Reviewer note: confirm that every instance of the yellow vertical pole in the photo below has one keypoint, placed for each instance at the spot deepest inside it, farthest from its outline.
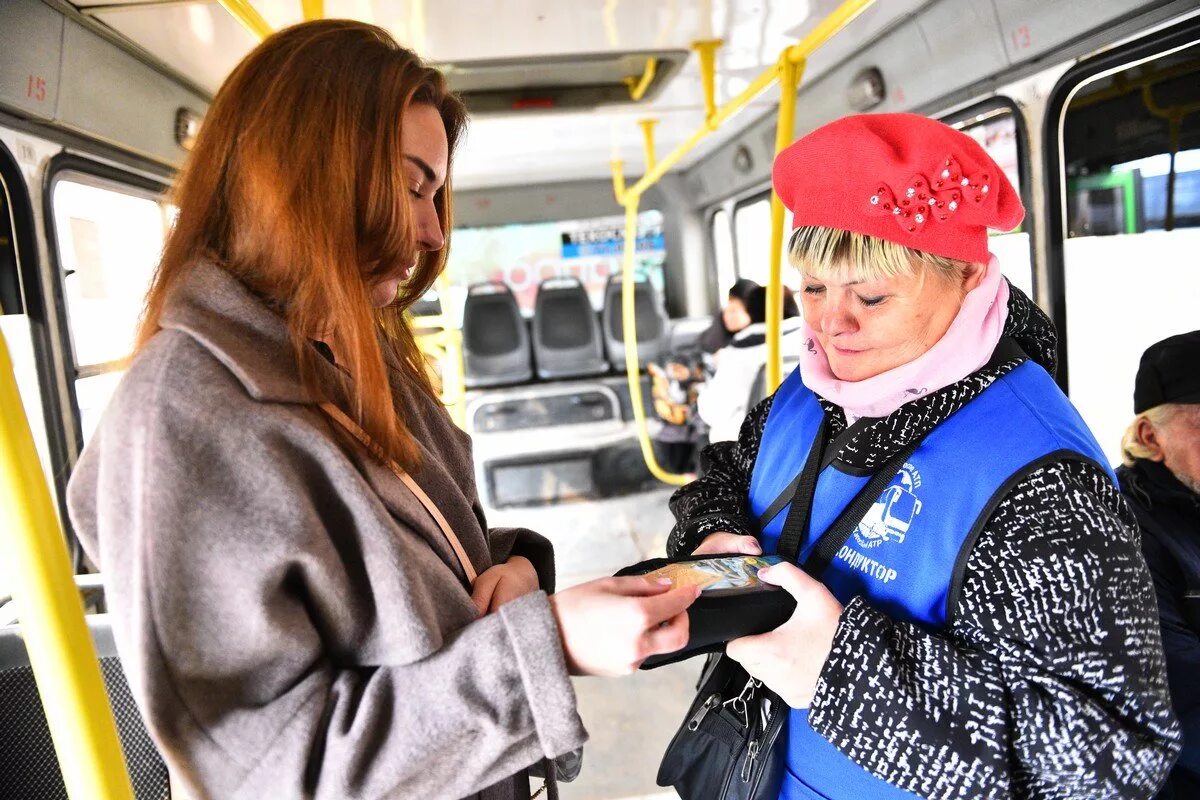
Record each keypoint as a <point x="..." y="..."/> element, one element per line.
<point x="706" y="49"/>
<point x="248" y="16"/>
<point x="647" y="126"/>
<point x="785" y="126"/>
<point x="618" y="175"/>
<point x="629" y="331"/>
<point x="313" y="9"/>
<point x="56" y="636"/>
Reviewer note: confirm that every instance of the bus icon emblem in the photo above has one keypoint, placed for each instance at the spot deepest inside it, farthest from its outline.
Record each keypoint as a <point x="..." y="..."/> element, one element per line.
<point x="892" y="514"/>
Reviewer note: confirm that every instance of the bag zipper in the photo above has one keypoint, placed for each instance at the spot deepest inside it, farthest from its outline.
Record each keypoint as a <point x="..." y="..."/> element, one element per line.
<point x="712" y="702"/>
<point x="769" y="736"/>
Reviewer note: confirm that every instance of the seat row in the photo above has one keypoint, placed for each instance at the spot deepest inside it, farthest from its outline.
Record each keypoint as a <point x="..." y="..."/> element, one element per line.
<point x="564" y="340"/>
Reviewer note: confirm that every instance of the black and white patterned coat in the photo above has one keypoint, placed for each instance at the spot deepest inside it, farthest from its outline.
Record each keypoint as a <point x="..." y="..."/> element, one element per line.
<point x="1048" y="682"/>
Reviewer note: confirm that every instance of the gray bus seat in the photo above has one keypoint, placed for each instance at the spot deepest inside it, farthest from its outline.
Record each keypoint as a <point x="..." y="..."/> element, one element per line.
<point x="566" y="334"/>
<point x="649" y="319"/>
<point x="684" y="333"/>
<point x="495" y="339"/>
<point x="31" y="770"/>
<point x="758" y="389"/>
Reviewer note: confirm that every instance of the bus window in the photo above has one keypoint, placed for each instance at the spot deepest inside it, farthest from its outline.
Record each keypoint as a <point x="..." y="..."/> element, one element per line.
<point x="997" y="132"/>
<point x="109" y="242"/>
<point x="524" y="255"/>
<point x="1133" y="229"/>
<point x="722" y="242"/>
<point x="752" y="237"/>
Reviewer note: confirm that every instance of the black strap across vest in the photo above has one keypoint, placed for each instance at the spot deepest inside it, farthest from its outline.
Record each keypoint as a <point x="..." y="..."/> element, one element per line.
<point x="800" y="492"/>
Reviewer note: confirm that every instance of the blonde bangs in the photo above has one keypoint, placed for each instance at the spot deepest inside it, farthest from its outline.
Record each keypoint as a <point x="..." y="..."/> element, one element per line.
<point x="832" y="253"/>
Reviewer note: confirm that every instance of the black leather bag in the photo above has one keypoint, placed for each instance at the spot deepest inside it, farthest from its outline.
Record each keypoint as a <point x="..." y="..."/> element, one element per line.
<point x="726" y="745"/>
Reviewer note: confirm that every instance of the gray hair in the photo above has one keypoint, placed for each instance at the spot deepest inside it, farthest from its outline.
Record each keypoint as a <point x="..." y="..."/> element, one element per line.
<point x="1132" y="446"/>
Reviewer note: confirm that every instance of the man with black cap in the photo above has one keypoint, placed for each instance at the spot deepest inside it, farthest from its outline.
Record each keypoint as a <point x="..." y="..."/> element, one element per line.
<point x="1161" y="481"/>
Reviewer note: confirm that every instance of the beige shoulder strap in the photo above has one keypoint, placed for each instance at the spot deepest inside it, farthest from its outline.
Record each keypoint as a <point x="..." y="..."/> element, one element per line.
<point x="358" y="433"/>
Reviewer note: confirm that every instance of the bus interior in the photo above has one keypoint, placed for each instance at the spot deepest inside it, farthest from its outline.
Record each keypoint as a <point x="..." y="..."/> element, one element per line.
<point x="1091" y="107"/>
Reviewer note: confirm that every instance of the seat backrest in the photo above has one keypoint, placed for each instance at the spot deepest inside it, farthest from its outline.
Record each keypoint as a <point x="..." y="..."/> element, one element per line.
<point x="495" y="339"/>
<point x="31" y="770"/>
<point x="566" y="334"/>
<point x="758" y="389"/>
<point x="649" y="319"/>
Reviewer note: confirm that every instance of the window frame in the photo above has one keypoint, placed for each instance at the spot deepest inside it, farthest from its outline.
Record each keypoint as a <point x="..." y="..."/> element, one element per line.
<point x="33" y="297"/>
<point x="979" y="112"/>
<point x="741" y="202"/>
<point x="67" y="166"/>
<point x="1146" y="48"/>
<point x="716" y="298"/>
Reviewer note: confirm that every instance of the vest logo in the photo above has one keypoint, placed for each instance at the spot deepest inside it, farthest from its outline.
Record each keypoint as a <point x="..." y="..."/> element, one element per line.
<point x="892" y="514"/>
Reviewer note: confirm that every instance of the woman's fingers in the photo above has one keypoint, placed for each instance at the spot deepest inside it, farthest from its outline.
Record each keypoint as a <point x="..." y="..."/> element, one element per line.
<point x="638" y="586"/>
<point x="724" y="543"/>
<point x="672" y="635"/>
<point x="484" y="588"/>
<point x="660" y="608"/>
<point x="788" y="577"/>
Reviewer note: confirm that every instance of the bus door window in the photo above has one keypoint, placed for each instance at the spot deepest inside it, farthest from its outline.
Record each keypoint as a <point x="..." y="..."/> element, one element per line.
<point x="997" y="132"/>
<point x="722" y="243"/>
<point x="752" y="239"/>
<point x="109" y="242"/>
<point x="14" y="318"/>
<point x="1133" y="228"/>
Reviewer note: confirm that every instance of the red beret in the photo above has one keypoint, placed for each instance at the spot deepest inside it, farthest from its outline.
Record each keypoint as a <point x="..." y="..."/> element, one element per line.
<point x="901" y="177"/>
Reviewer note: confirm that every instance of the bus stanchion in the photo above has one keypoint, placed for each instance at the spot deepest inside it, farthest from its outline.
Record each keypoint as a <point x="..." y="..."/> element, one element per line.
<point x="61" y="653"/>
<point x="787" y="71"/>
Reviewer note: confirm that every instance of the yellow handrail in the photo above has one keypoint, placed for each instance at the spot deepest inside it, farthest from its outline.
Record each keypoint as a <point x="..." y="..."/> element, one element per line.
<point x="785" y="127"/>
<point x="437" y="337"/>
<point x="632" y="365"/>
<point x="638" y="86"/>
<point x="60" y="650"/>
<point x="313" y="9"/>
<point x="787" y="69"/>
<point x="647" y="126"/>
<point x="706" y="51"/>
<point x="248" y="16"/>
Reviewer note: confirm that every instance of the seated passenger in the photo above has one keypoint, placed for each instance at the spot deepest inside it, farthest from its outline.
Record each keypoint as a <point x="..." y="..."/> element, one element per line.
<point x="1161" y="481"/>
<point x="986" y="627"/>
<point x="723" y="399"/>
<point x="285" y="514"/>
<point x="673" y="389"/>
<point x="730" y="319"/>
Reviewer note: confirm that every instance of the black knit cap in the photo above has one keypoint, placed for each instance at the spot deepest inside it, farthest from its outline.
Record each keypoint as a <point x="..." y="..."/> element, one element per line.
<point x="1169" y="373"/>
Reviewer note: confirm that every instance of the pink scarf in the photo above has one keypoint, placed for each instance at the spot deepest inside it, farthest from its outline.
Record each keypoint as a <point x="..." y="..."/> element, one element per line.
<point x="966" y="346"/>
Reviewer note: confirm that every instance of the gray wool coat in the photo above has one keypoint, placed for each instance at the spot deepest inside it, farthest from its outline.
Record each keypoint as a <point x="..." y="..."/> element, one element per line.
<point x="291" y="621"/>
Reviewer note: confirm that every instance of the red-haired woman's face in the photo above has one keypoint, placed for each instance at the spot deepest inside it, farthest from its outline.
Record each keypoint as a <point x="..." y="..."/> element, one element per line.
<point x="425" y="161"/>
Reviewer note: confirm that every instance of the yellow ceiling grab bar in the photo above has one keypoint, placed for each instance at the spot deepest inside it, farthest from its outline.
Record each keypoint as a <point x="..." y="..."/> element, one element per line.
<point x="787" y="70"/>
<point x="248" y="16"/>
<point x="706" y="51"/>
<point x="60" y="650"/>
<point x="313" y="9"/>
<point x="638" y="86"/>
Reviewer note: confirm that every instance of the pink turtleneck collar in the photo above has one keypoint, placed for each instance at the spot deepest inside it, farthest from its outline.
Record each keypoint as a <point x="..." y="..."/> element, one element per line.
<point x="966" y="346"/>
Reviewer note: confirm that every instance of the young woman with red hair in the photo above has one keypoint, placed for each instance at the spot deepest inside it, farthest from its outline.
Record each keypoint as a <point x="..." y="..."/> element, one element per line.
<point x="284" y="513"/>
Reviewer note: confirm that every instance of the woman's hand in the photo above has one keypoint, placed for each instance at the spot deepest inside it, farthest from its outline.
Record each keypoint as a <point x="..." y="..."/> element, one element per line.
<point x="610" y="626"/>
<point x="721" y="543"/>
<point x="790" y="658"/>
<point x="497" y="585"/>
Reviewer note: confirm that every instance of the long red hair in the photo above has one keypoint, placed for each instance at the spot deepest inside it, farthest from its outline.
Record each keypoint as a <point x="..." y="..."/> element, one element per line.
<point x="295" y="186"/>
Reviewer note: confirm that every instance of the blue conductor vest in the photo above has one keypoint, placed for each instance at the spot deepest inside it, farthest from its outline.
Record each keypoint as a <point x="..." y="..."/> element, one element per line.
<point x="907" y="555"/>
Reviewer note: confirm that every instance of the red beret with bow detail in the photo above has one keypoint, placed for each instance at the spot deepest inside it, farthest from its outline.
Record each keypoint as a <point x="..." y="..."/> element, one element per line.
<point x="901" y="177"/>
